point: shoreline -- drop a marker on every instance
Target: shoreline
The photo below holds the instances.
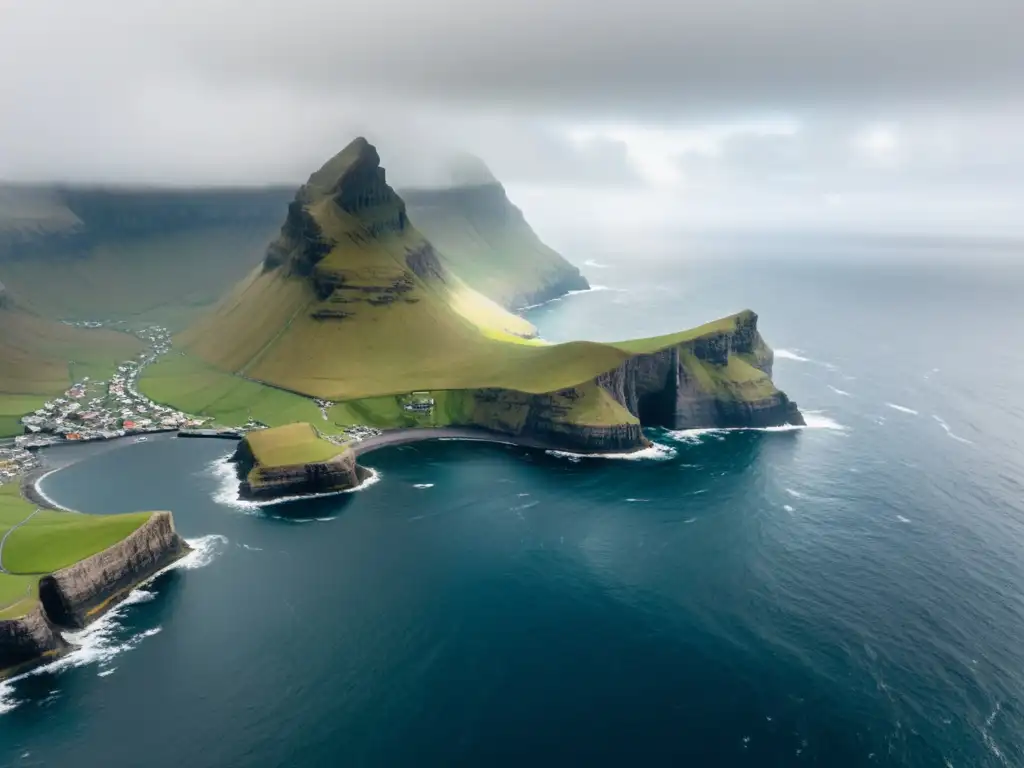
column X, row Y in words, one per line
column 396, row 437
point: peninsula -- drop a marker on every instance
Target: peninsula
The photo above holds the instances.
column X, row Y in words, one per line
column 355, row 318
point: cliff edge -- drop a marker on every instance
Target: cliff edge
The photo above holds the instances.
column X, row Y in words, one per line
column 293, row 460
column 73, row 597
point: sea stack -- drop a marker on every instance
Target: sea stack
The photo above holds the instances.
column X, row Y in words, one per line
column 294, row 460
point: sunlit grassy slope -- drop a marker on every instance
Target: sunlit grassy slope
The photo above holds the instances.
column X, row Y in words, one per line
column 289, row 445
column 486, row 240
column 40, row 358
column 48, row 542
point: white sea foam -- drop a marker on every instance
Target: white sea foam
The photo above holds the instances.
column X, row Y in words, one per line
column 251, row 549
column 788, row 354
column 595, row 264
column 813, row 419
column 422, row 486
column 903, row 519
column 226, row 493
column 950, row 432
column 636, row 500
column 106, row 672
column 788, row 508
column 7, row 700
column 689, row 520
column 42, row 495
column 656, row 452
column 838, row 391
column 794, row 494
column 902, row 409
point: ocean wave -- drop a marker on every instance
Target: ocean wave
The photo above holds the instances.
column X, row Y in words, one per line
column 43, row 496
column 423, row 486
column 794, row 494
column 838, row 391
column 656, row 452
column 903, row 519
column 788, row 354
column 594, row 264
column 903, row 409
column 227, row 495
column 950, row 432
column 788, row 508
column 205, row 550
column 813, row 419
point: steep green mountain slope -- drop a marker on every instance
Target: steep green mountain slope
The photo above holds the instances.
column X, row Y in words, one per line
column 353, row 305
column 40, row 358
column 145, row 255
column 486, row 240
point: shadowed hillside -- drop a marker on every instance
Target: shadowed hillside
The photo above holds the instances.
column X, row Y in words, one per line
column 487, row 241
column 146, row 255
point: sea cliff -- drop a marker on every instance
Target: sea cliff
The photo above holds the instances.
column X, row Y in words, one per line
column 73, row 597
column 718, row 380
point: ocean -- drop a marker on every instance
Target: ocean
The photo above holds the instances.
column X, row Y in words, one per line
column 849, row 594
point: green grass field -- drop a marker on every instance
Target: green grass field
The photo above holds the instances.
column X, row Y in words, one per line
column 48, row 542
column 290, row 444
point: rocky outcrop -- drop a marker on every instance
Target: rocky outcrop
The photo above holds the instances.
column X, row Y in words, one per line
column 74, row 596
column 687, row 386
column 263, row 483
column 28, row 640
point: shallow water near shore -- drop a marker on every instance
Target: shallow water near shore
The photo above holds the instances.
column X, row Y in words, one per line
column 843, row 595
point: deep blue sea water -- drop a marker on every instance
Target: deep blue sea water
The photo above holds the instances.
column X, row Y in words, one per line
column 851, row 594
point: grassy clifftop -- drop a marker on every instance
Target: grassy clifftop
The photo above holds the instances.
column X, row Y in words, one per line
column 354, row 305
column 38, row 543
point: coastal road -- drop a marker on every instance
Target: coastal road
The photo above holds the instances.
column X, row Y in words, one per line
column 11, row 530
column 402, row 436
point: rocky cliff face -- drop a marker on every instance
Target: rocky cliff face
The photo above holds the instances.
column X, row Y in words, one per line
column 74, row 596
column 28, row 640
column 546, row 419
column 677, row 387
column 257, row 482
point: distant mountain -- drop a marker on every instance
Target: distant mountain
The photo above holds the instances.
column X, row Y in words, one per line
column 487, row 241
column 136, row 254
column 41, row 358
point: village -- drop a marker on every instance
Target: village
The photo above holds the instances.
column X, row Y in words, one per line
column 97, row 410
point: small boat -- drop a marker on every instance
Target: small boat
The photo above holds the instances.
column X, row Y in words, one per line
column 141, row 439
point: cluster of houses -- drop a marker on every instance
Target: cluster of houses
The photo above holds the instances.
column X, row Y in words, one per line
column 14, row 462
column 100, row 410
column 419, row 402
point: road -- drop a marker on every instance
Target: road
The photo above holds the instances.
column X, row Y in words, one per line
column 402, row 436
column 11, row 530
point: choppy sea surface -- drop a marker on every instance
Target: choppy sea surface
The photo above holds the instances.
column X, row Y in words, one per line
column 850, row 594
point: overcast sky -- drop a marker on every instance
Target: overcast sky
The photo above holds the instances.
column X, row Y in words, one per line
column 883, row 113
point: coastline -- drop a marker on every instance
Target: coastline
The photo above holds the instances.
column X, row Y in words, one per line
column 395, row 437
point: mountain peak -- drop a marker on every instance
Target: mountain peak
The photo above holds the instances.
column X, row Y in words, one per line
column 468, row 170
column 357, row 164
